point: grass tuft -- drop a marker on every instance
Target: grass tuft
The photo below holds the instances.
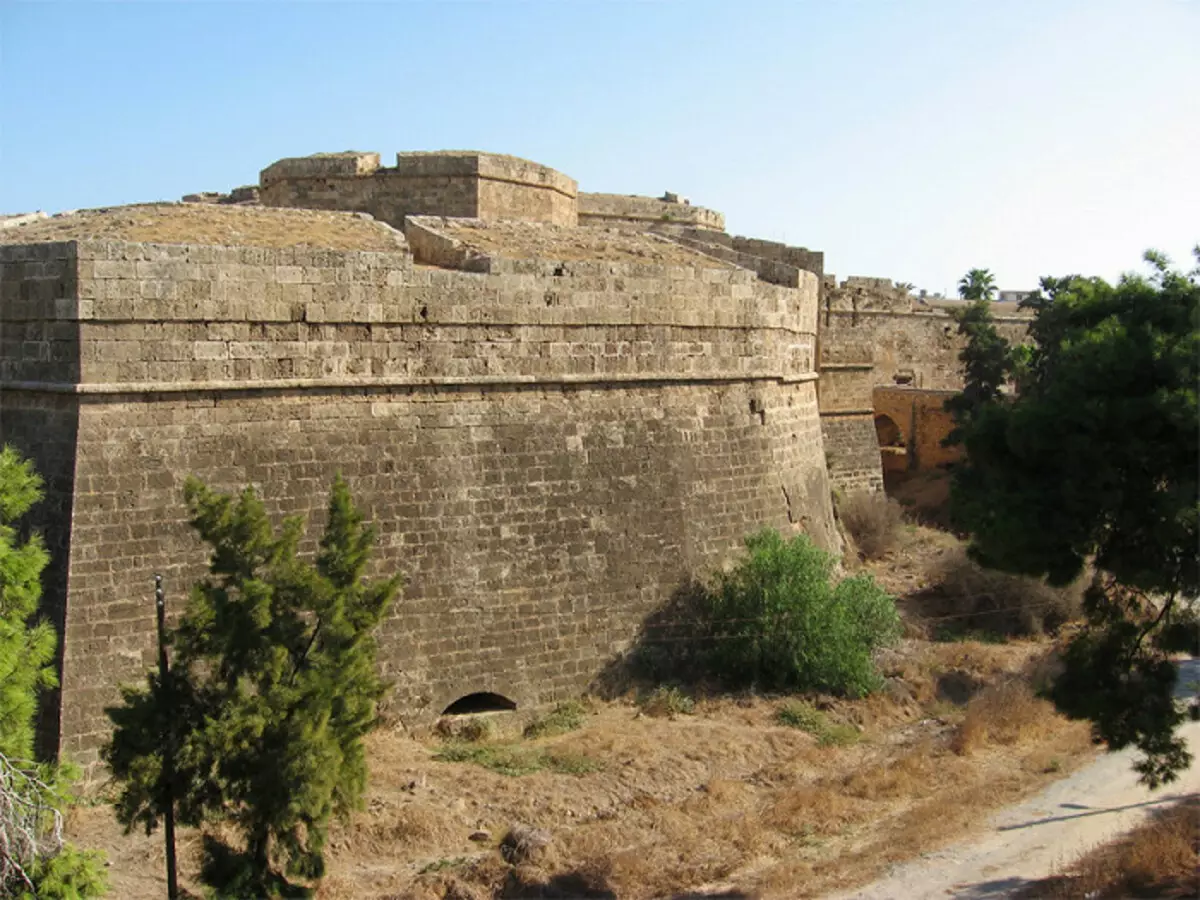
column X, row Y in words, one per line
column 806, row 717
column 515, row 760
column 563, row 718
column 666, row 702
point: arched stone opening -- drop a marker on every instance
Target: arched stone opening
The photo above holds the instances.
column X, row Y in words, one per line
column 479, row 702
column 893, row 450
column 888, row 431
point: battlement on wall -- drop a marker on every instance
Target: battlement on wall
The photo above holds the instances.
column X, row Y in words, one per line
column 644, row 212
column 457, row 183
column 861, row 294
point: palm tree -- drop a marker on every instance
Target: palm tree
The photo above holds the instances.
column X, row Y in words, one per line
column 978, row 284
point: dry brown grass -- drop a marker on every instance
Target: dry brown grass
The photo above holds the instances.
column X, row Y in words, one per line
column 206, row 224
column 1160, row 859
column 962, row 596
column 1005, row 714
column 917, row 773
column 815, row 810
column 723, row 798
column 535, row 240
column 873, row 521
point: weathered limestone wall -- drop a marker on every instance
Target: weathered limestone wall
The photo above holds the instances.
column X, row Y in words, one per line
column 461, row 184
column 852, row 452
column 918, row 349
column 873, row 334
column 923, row 423
column 546, row 456
column 645, row 212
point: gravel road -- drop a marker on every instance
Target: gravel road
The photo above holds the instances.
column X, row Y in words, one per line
column 1029, row 841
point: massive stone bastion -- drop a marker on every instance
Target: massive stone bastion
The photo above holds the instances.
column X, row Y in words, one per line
column 553, row 427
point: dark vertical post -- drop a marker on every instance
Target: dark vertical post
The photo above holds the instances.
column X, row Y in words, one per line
column 168, row 739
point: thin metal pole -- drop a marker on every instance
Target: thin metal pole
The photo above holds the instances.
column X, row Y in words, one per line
column 168, row 773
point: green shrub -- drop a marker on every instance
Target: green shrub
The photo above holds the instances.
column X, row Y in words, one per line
column 777, row 623
column 806, row 717
column 564, row 717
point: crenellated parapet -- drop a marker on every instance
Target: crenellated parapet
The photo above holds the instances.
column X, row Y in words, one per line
column 466, row 184
column 628, row 210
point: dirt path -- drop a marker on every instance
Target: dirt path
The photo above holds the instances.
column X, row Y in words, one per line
column 1029, row 841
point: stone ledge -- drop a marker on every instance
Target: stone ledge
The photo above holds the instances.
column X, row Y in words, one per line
column 299, row 384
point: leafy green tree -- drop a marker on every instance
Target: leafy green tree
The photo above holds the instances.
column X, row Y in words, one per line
column 34, row 861
column 977, row 284
column 272, row 689
column 1095, row 461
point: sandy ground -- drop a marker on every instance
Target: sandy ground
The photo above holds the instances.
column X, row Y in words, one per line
column 1036, row 838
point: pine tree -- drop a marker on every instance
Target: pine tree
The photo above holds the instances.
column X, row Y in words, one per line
column 34, row 861
column 273, row 687
column 26, row 648
column 1094, row 462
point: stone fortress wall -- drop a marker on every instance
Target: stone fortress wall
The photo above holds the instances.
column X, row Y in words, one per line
column 875, row 334
column 553, row 426
column 550, row 447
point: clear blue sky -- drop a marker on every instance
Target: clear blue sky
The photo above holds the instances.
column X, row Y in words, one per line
column 907, row 139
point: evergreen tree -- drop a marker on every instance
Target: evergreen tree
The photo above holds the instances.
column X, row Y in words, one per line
column 26, row 646
column 34, row 861
column 273, row 686
column 1095, row 460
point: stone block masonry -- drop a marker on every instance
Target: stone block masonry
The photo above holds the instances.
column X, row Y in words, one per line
column 923, row 423
column 874, row 336
column 548, row 452
column 645, row 213
column 463, row 184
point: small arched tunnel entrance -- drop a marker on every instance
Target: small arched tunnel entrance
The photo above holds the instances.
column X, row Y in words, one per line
column 892, row 448
column 480, row 702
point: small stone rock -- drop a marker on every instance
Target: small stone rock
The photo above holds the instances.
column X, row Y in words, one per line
column 480, row 836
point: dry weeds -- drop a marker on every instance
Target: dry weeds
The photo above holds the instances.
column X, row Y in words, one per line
column 1160, row 859
column 873, row 520
column 1005, row 714
column 962, row 596
column 207, row 224
column 723, row 799
column 537, row 240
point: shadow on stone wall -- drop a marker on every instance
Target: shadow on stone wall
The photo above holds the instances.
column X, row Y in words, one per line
column 667, row 649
